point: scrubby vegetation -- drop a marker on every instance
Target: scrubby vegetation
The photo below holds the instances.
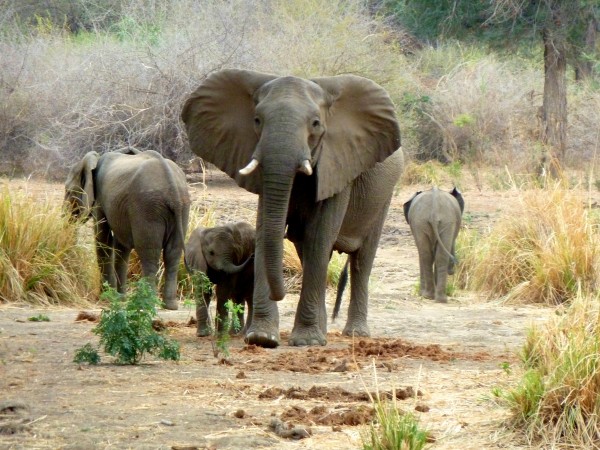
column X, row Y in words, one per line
column 558, row 397
column 126, row 331
column 544, row 251
column 43, row 260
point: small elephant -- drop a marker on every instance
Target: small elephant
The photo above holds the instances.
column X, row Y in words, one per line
column 226, row 255
column 324, row 156
column 138, row 200
column 434, row 217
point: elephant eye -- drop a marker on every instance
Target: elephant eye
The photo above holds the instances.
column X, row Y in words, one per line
column 211, row 253
column 316, row 123
column 257, row 121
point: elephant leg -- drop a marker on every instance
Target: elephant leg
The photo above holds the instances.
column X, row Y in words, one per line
column 149, row 258
column 222, row 313
column 361, row 263
column 203, row 327
column 443, row 263
column 105, row 252
column 121, row 266
column 426, row 250
column 310, row 323
column 171, row 257
column 264, row 327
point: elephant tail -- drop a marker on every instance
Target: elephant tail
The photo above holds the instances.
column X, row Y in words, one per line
column 340, row 289
column 435, row 225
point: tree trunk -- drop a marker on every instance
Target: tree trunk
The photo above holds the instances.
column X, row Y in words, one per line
column 554, row 107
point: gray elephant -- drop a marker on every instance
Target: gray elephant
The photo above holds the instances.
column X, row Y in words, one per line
column 322, row 156
column 434, row 217
column 139, row 200
column 226, row 255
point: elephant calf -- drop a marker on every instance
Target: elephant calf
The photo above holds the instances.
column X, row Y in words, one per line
column 434, row 217
column 137, row 200
column 226, row 255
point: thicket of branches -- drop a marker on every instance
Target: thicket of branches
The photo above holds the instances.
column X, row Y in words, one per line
column 78, row 76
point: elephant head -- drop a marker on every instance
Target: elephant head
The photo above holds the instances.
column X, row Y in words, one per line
column 79, row 187
column 228, row 248
column 263, row 130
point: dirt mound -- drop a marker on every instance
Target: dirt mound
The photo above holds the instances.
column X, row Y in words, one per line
column 334, row 394
column 321, row 415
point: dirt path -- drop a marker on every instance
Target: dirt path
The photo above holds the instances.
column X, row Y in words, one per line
column 443, row 360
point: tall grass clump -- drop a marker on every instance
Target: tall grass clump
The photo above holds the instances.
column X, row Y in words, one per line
column 42, row 260
column 558, row 398
column 539, row 253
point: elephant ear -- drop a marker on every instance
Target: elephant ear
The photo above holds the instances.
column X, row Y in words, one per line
column 219, row 120
column 193, row 257
column 361, row 130
column 459, row 198
column 79, row 187
column 407, row 204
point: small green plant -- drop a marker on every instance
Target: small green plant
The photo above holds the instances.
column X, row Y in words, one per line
column 506, row 367
column 395, row 430
column 87, row 354
column 230, row 322
column 39, row 318
column 126, row 331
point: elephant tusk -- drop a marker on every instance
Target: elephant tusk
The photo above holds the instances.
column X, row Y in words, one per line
column 249, row 168
column 305, row 167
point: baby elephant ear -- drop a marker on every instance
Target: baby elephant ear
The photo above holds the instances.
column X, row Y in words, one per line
column 79, row 187
column 219, row 120
column 194, row 258
column 361, row 130
column 459, row 198
column 407, row 204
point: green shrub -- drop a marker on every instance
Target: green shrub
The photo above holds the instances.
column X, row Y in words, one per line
column 126, row 331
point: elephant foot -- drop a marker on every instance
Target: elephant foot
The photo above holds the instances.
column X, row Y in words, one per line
column 361, row 330
column 443, row 299
column 173, row 304
column 427, row 294
column 311, row 335
column 262, row 339
column 202, row 332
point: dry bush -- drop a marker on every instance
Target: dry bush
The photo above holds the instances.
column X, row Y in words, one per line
column 558, row 398
column 43, row 258
column 541, row 254
column 583, row 144
column 106, row 89
column 480, row 110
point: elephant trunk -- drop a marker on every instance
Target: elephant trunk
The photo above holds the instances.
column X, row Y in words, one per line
column 231, row 268
column 276, row 200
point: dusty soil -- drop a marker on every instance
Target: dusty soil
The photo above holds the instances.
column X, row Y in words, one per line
column 440, row 360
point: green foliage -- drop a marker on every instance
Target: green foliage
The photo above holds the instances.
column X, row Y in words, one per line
column 229, row 323
column 395, row 430
column 87, row 354
column 39, row 318
column 125, row 329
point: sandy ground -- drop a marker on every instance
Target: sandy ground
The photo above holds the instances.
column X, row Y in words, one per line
column 442, row 359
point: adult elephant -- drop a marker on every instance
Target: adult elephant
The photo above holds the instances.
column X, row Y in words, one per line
column 226, row 255
column 434, row 217
column 137, row 200
column 321, row 155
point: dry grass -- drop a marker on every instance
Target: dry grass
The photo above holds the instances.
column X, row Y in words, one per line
column 63, row 94
column 43, row 258
column 539, row 255
column 558, row 399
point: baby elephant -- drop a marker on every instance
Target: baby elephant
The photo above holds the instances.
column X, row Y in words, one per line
column 434, row 217
column 226, row 255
